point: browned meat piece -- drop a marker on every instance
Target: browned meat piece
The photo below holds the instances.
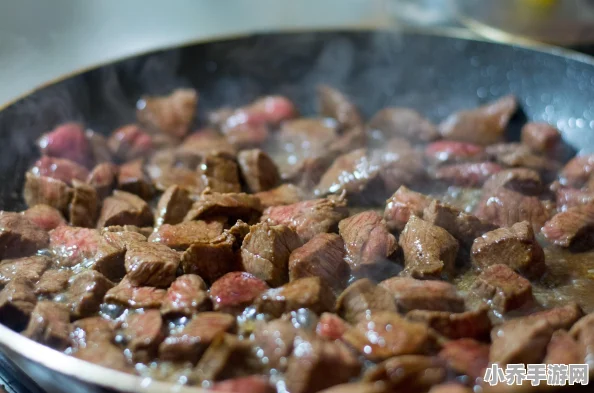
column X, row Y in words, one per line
column 250, row 384
column 236, row 206
column 366, row 240
column 53, row 282
column 308, row 367
column 123, row 208
column 135, row 297
column 411, row 294
column 466, row 356
column 68, row 141
column 172, row 114
column 331, row 326
column 265, row 252
column 186, row 296
column 258, row 170
column 466, row 174
column 86, row 293
column 450, row 387
column 220, row 173
column 201, row 143
column 583, row 332
column 98, row 145
column 515, row 246
column 59, row 169
column 322, row 256
column 103, row 177
column 19, row 237
column 239, row 231
column 132, row 179
column 504, row 207
column 564, row 349
column 483, row 125
column 571, row 228
column 130, row 142
column 50, row 324
column 567, row 197
column 518, row 155
column 448, row 152
column 17, row 301
column 46, row 190
column 523, row 180
column 235, row 291
column 142, row 332
column 540, row 136
column 577, row 171
column 151, row 264
column 190, row 180
column 173, row 206
column 269, row 109
column 468, row 324
column 336, row 105
column 505, row 289
column 44, row 216
column 309, row 218
column 409, row 373
column 211, row 259
column 226, row 357
column 26, row 268
column 362, row 297
column 92, row 329
column 183, row 235
column 246, row 135
column 356, row 387
column 402, row 204
column 274, row 340
column 405, row 123
column 121, row 233
column 310, row 292
column 429, row 250
column 341, row 174
column 385, row 334
column 285, row 194
column 84, row 205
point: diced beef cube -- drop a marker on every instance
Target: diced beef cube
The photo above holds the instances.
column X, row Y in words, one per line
column 251, row 384
column 130, row 142
column 192, row 340
column 46, row 190
column 310, row 292
column 411, row 294
column 567, row 197
column 515, row 246
column 265, row 252
column 285, row 194
column 19, row 237
column 429, row 250
column 506, row 289
column 448, row 152
column 53, row 282
column 483, row 125
column 518, row 155
column 50, row 324
column 211, row 259
column 258, row 170
column 201, row 143
column 59, row 169
column 583, row 332
column 27, row 268
column 341, row 174
column 17, row 301
column 123, row 208
column 331, row 326
column 540, row 136
column 183, row 235
column 564, row 349
column 165, row 177
column 307, row 370
column 504, row 207
column 468, row 324
column 409, row 373
column 151, row 264
column 186, row 296
column 236, row 206
column 220, row 173
column 385, row 334
column 356, row 387
column 68, row 141
column 93, row 343
column 466, row 174
column 173, row 206
column 336, row 105
column 275, row 341
column 142, row 332
column 132, row 179
column 173, row 114
column 135, row 297
column 272, row 109
column 361, row 297
column 239, row 231
column 92, row 330
column 98, row 146
column 86, row 293
column 322, row 256
column 523, row 180
column 245, row 133
column 44, row 216
column 84, row 205
column 235, row 291
column 402, row 204
column 571, row 228
column 103, row 177
column 403, row 122
column 577, row 171
column 466, row 356
column 309, row 218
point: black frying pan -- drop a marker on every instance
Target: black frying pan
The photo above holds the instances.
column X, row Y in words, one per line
column 433, row 74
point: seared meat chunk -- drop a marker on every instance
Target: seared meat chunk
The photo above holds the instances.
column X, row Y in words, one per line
column 103, row 178
column 226, row 357
column 483, row 125
column 173, row 206
column 133, row 179
column 310, row 292
column 322, row 256
column 53, row 282
column 46, row 190
column 265, row 252
column 173, row 114
column 151, row 264
column 130, row 142
column 285, row 194
column 251, row 384
column 577, row 171
column 468, row 324
column 220, row 173
column 198, row 144
column 402, row 204
column 135, row 297
column 541, row 137
column 412, row 294
column 403, row 122
column 142, row 332
column 123, row 208
column 331, row 326
column 275, row 340
column 506, row 289
column 235, row 291
column 86, row 293
column 44, row 216
column 258, row 170
column 183, row 235
column 68, row 141
column 564, row 349
column 99, row 149
column 186, row 296
column 361, row 297
column 583, row 332
column 26, row 268
column 515, row 246
column 408, row 373
column 448, row 152
column 17, row 301
column 429, row 251
column 84, row 205
column 236, row 206
column 523, row 180
column 567, row 197
column 466, row 174
column 211, row 259
column 50, row 324
column 19, row 237
column 336, row 105
column 59, row 169
column 466, row 356
column 571, row 228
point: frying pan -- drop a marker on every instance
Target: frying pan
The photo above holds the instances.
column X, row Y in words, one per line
column 434, row 74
